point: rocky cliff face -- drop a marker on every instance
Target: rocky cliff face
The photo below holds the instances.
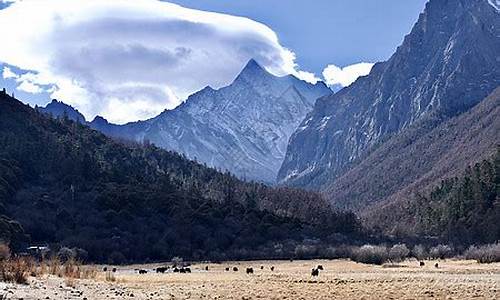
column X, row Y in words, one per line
column 448, row 63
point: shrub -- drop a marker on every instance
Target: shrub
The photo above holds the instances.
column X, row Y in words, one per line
column 441, row 252
column 66, row 254
column 419, row 252
column 110, row 276
column 54, row 265
column 15, row 270
column 88, row 273
column 341, row 251
column 71, row 269
column 484, row 254
column 305, row 251
column 177, row 261
column 398, row 253
column 80, row 254
column 370, row 254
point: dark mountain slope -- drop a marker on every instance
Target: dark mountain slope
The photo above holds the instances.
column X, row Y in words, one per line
column 447, row 64
column 415, row 160
column 69, row 185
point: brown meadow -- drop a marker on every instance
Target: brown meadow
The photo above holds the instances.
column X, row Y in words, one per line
column 341, row 279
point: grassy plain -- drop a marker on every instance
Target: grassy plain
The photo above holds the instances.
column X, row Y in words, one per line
column 341, row 279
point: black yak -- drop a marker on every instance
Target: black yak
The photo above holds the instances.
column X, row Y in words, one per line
column 249, row 270
column 314, row 272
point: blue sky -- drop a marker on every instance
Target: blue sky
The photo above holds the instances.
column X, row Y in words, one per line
column 130, row 60
column 321, row 32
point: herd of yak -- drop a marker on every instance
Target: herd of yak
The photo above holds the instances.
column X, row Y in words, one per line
column 249, row 270
column 187, row 269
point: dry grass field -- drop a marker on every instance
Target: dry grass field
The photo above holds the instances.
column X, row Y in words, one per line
column 341, row 279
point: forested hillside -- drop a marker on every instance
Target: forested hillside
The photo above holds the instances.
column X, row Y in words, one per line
column 464, row 209
column 68, row 185
column 415, row 160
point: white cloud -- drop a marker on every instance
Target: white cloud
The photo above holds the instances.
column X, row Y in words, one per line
column 129, row 60
column 30, row 87
column 345, row 76
column 28, row 82
column 8, row 74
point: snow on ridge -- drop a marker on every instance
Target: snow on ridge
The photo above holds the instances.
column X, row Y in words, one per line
column 495, row 4
column 324, row 122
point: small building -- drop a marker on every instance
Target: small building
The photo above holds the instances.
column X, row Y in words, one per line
column 39, row 252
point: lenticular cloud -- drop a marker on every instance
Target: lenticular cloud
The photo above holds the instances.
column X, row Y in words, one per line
column 129, row 60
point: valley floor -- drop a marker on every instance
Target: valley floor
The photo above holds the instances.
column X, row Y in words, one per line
column 290, row 280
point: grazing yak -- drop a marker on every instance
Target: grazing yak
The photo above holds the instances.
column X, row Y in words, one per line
column 206, row 268
column 249, row 270
column 114, row 270
column 235, row 269
column 161, row 269
column 104, row 269
column 314, row 272
column 436, row 265
column 182, row 270
column 272, row 268
column 227, row 269
column 143, row 271
column 320, row 267
column 422, row 264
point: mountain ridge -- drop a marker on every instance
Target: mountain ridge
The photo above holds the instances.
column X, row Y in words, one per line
column 242, row 128
column 447, row 64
